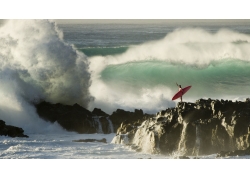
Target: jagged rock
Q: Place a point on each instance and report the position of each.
(71, 118)
(103, 140)
(122, 116)
(99, 112)
(78, 119)
(200, 128)
(11, 131)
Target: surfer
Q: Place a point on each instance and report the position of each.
(180, 89)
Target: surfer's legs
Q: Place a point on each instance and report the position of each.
(181, 98)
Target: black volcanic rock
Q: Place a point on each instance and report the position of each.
(122, 116)
(71, 118)
(12, 131)
(103, 140)
(78, 119)
(99, 112)
(200, 128)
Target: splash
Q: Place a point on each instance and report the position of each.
(144, 76)
(97, 124)
(197, 141)
(182, 144)
(111, 127)
(146, 139)
(35, 64)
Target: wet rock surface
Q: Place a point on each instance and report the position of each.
(71, 118)
(11, 131)
(103, 140)
(78, 119)
(200, 128)
(204, 127)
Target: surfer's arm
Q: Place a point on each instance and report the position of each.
(177, 84)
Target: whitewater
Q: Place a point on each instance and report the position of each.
(215, 64)
(110, 67)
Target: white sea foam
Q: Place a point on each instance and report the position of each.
(61, 146)
(188, 46)
(35, 63)
(109, 99)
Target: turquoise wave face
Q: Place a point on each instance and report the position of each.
(103, 51)
(225, 77)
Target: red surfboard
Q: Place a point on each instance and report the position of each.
(181, 92)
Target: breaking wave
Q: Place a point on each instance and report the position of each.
(36, 64)
(216, 65)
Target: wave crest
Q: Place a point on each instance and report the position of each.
(35, 63)
(215, 64)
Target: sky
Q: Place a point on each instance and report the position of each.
(78, 11)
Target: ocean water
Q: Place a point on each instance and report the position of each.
(137, 64)
(61, 146)
(111, 66)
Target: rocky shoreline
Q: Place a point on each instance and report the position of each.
(204, 127)
(190, 129)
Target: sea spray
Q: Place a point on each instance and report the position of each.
(145, 139)
(111, 127)
(36, 64)
(197, 141)
(182, 144)
(145, 75)
(116, 140)
(124, 139)
(97, 124)
(120, 139)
